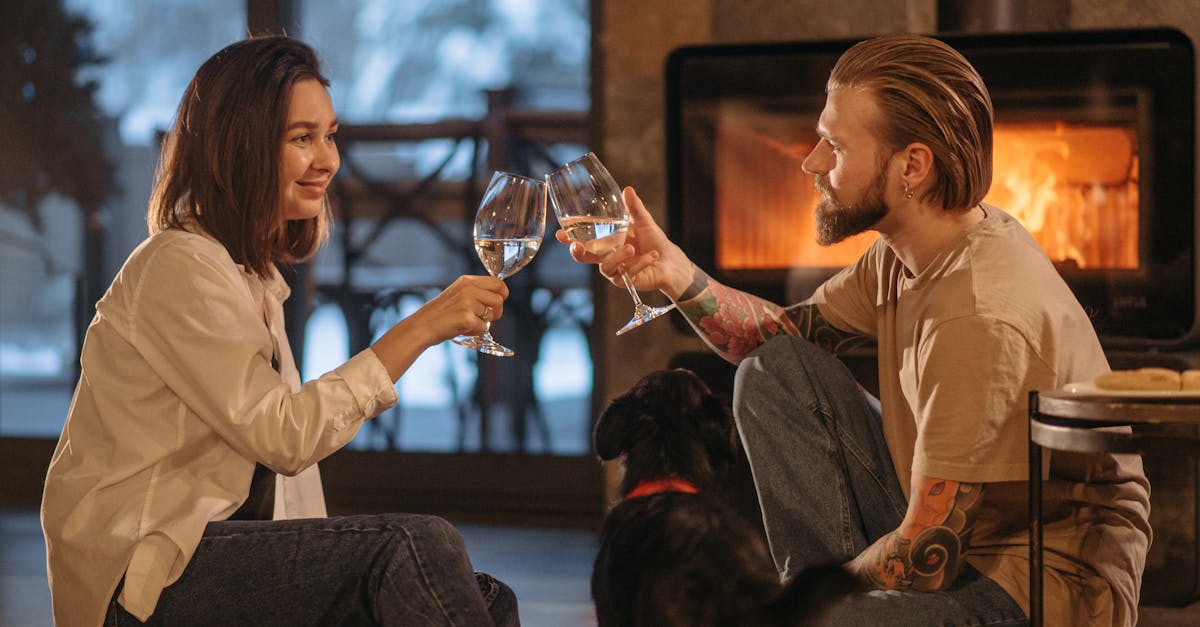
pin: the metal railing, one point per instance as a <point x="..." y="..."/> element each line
<point x="442" y="210"/>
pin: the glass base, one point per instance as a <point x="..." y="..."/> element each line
<point x="643" y="314"/>
<point x="484" y="344"/>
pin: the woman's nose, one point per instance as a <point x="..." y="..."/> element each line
<point x="327" y="158"/>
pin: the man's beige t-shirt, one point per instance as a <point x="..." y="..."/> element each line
<point x="960" y="347"/>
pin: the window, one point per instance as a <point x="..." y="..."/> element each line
<point x="420" y="61"/>
<point x="149" y="50"/>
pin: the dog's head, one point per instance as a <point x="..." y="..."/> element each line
<point x="667" y="424"/>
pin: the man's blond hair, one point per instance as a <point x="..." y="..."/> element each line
<point x="929" y="93"/>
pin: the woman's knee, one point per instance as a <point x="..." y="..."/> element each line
<point x="435" y="534"/>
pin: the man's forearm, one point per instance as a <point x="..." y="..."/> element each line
<point x="927" y="551"/>
<point x="733" y="322"/>
<point x="730" y="321"/>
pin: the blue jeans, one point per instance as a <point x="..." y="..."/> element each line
<point x="828" y="488"/>
<point x="388" y="569"/>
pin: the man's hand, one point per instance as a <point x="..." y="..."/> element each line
<point x="650" y="259"/>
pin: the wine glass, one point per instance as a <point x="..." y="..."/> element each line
<point x="589" y="207"/>
<point x="508" y="232"/>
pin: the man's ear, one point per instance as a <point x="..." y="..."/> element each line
<point x="916" y="163"/>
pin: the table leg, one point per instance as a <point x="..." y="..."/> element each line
<point x="1035" y="520"/>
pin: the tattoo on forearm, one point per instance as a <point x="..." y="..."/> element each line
<point x="699" y="282"/>
<point x="734" y="323"/>
<point x="812" y="326"/>
<point x="926" y="553"/>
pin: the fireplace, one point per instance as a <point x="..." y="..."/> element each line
<point x="1094" y="153"/>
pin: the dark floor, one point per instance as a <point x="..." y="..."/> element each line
<point x="548" y="568"/>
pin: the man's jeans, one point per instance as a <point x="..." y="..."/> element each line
<point x="390" y="569"/>
<point x="828" y="488"/>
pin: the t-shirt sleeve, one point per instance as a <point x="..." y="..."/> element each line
<point x="974" y="378"/>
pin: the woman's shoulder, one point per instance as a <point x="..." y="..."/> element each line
<point x="184" y="240"/>
<point x="177" y="256"/>
<point x="179" y="245"/>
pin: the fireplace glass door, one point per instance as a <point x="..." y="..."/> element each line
<point x="1093" y="153"/>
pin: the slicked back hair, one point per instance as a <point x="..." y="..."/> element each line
<point x="929" y="93"/>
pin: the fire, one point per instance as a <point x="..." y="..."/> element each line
<point x="1074" y="187"/>
<point x="765" y="204"/>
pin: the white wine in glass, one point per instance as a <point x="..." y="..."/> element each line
<point x="508" y="232"/>
<point x="589" y="207"/>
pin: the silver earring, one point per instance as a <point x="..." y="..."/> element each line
<point x="908" y="192"/>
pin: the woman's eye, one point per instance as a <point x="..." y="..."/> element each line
<point x="331" y="138"/>
<point x="302" y="140"/>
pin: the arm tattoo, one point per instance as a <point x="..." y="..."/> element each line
<point x="699" y="282"/>
<point x="928" y="550"/>
<point x="734" y="323"/>
<point x="812" y="326"/>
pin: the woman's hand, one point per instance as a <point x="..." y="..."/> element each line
<point x="650" y="259"/>
<point x="463" y="308"/>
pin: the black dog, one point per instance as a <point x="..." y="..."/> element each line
<point x="674" y="552"/>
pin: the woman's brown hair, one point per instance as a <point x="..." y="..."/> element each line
<point x="220" y="162"/>
<point x="928" y="93"/>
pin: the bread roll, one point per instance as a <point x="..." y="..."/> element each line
<point x="1191" y="380"/>
<point x="1141" y="380"/>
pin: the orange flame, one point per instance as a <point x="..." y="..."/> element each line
<point x="1074" y="187"/>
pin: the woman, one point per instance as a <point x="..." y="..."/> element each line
<point x="189" y="391"/>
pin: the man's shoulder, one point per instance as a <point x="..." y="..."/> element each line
<point x="1007" y="264"/>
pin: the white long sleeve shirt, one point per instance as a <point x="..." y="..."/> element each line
<point x="176" y="402"/>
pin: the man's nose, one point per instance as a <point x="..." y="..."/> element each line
<point x="817" y="161"/>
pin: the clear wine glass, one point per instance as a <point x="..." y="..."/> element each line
<point x="589" y="207"/>
<point x="508" y="232"/>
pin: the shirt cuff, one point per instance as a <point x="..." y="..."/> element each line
<point x="369" y="383"/>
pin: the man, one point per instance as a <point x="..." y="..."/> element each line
<point x="923" y="493"/>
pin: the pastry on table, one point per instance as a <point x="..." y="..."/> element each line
<point x="1143" y="380"/>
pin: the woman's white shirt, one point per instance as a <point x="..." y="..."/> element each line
<point x="176" y="402"/>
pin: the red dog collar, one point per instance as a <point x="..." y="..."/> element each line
<point x="658" y="486"/>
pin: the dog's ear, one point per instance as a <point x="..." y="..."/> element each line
<point x="715" y="421"/>
<point x="614" y="430"/>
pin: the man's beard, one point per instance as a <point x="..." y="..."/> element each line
<point x="836" y="221"/>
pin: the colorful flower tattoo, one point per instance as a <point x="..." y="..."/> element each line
<point x="926" y="552"/>
<point x="734" y="323"/>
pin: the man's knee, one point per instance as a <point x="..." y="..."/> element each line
<point x="769" y="369"/>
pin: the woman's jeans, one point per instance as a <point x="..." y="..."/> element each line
<point x="389" y="569"/>
<point x="828" y="488"/>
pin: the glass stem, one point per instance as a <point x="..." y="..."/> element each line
<point x="487" y="324"/>
<point x="637" y="301"/>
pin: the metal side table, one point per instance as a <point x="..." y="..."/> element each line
<point x="1070" y="420"/>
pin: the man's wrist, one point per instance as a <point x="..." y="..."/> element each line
<point x="698" y="282"/>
